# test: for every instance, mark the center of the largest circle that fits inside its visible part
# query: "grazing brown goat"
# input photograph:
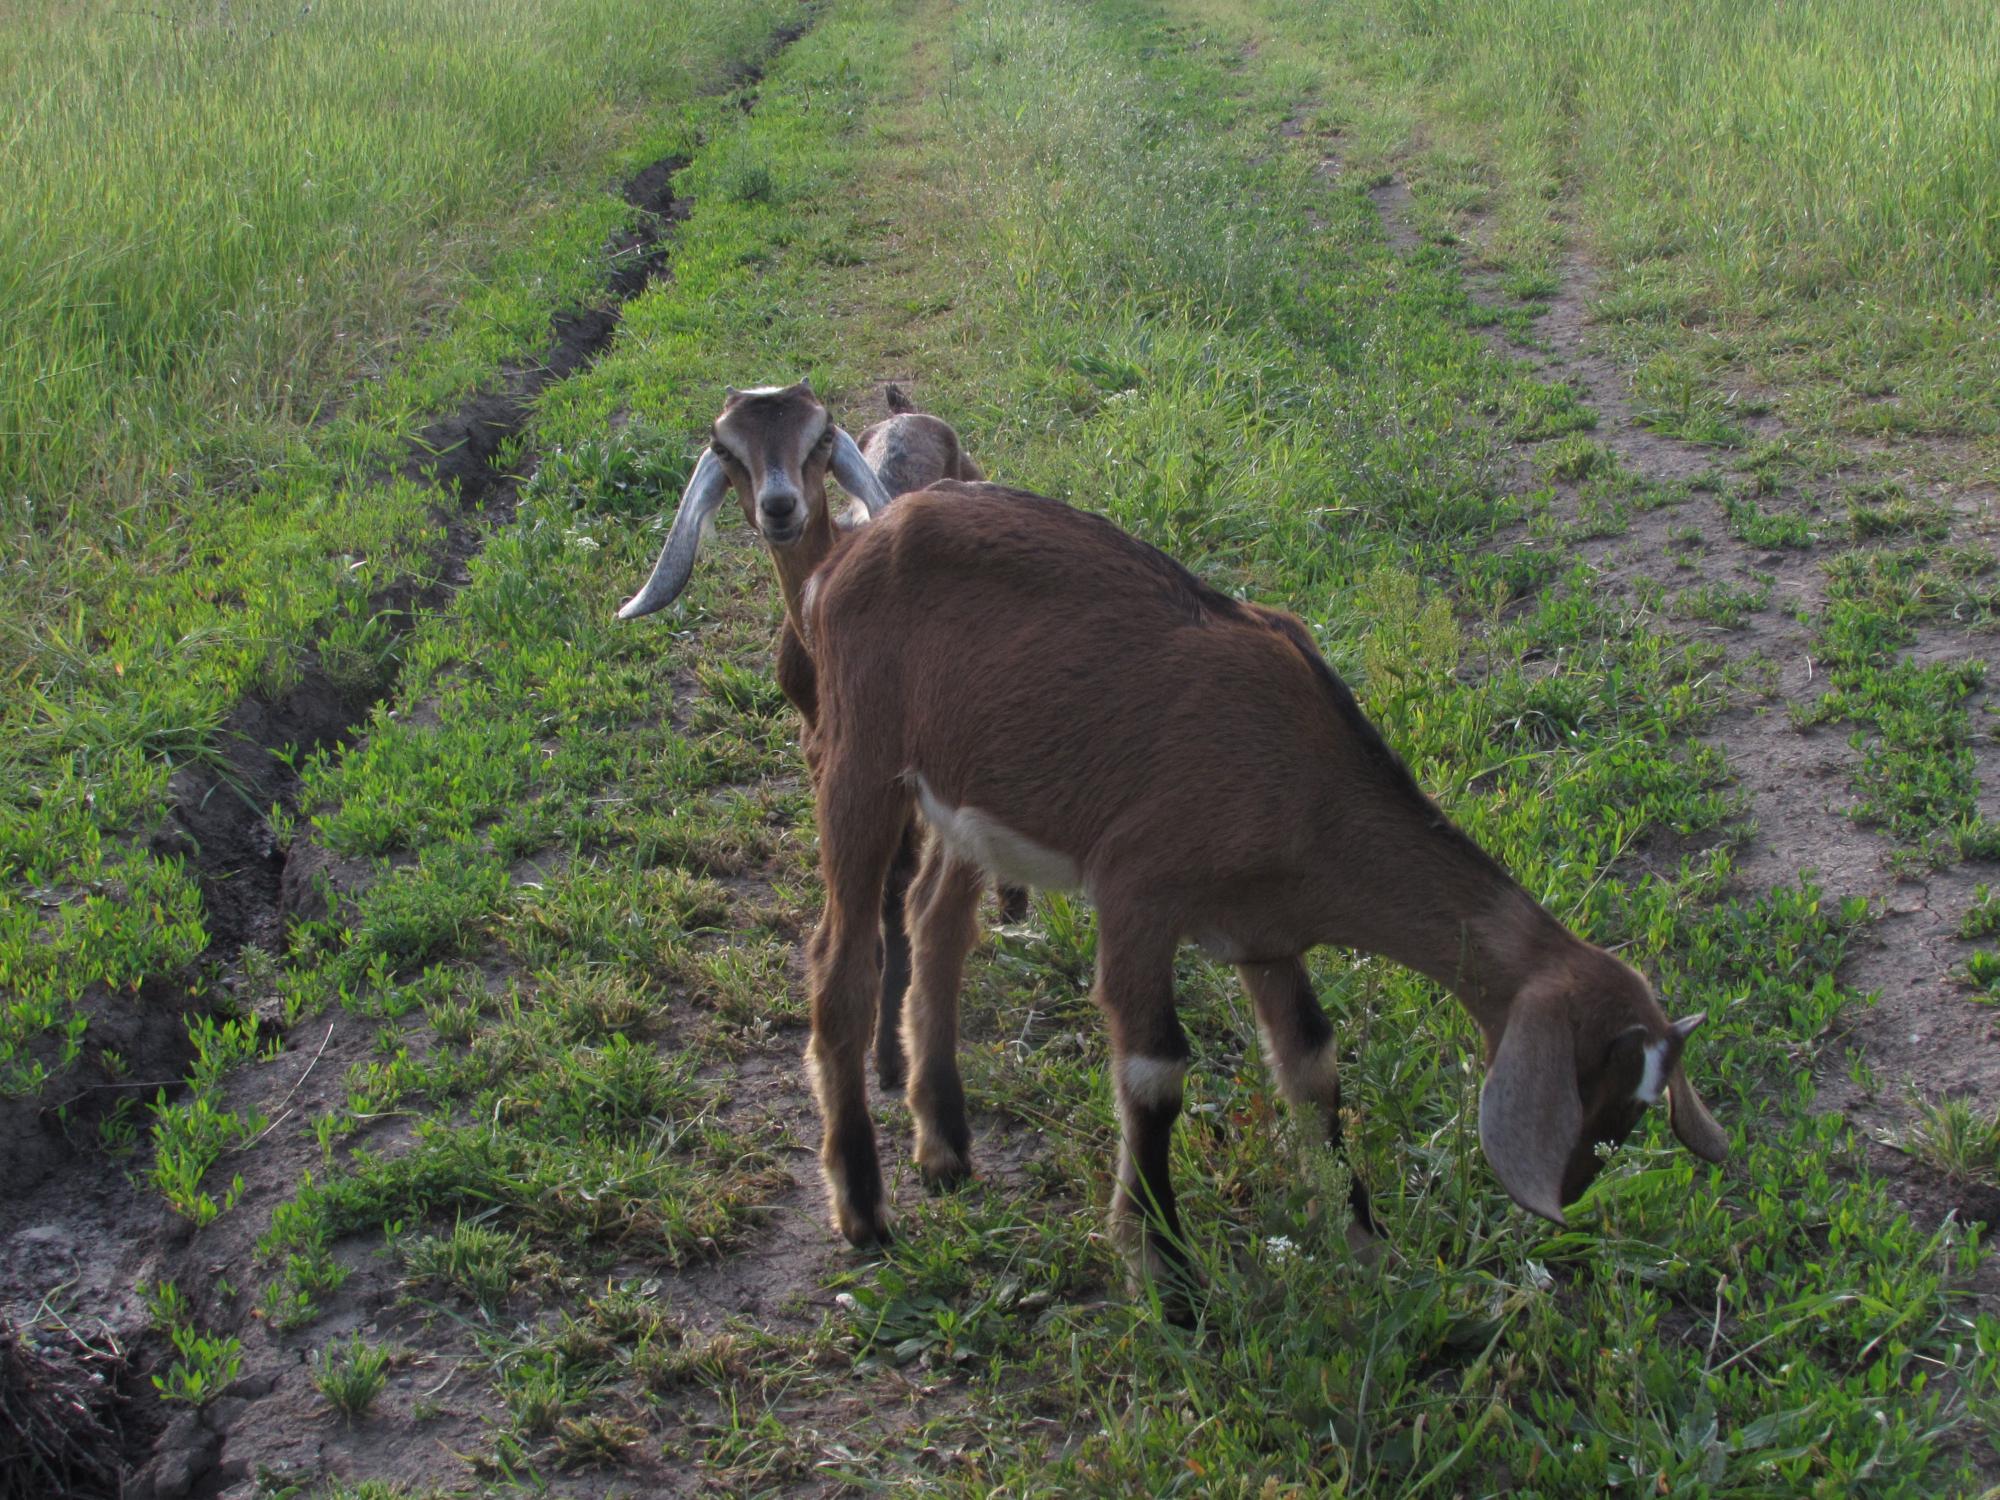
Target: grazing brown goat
(1071, 708)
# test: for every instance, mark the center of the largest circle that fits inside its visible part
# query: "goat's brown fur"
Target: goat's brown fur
(1062, 695)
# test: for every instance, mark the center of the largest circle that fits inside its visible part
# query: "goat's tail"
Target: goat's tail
(898, 402)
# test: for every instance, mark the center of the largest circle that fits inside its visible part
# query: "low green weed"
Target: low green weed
(350, 1376)
(204, 1363)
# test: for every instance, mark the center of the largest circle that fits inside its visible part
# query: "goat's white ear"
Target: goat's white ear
(806, 384)
(1530, 1115)
(855, 475)
(706, 488)
(729, 393)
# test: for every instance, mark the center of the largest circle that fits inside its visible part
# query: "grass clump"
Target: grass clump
(351, 1376)
(1982, 917)
(480, 1263)
(1959, 1140)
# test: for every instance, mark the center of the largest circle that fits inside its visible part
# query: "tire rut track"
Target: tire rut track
(1923, 1035)
(80, 1232)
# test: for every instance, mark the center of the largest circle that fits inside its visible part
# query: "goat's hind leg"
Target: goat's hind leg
(1299, 1045)
(1149, 1055)
(859, 825)
(944, 926)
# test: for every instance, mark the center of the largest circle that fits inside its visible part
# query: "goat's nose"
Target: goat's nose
(779, 508)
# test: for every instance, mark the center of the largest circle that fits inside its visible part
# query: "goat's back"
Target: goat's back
(1040, 663)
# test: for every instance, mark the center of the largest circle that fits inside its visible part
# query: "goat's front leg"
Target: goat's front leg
(858, 833)
(944, 908)
(1013, 901)
(1149, 1055)
(1299, 1045)
(889, 1059)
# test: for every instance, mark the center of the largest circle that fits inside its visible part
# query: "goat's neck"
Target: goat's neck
(1444, 908)
(798, 562)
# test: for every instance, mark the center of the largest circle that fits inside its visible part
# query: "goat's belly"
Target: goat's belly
(978, 838)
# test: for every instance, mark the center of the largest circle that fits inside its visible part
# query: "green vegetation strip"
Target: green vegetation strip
(228, 215)
(1081, 231)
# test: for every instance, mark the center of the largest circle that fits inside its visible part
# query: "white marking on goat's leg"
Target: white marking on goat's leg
(1148, 1082)
(1145, 1219)
(1149, 1065)
(944, 926)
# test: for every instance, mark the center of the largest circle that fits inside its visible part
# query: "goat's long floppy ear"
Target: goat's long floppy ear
(1530, 1115)
(706, 489)
(1692, 1122)
(854, 474)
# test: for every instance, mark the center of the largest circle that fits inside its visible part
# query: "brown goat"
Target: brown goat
(1071, 708)
(775, 447)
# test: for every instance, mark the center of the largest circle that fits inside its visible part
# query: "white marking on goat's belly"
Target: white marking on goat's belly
(980, 839)
(1655, 1077)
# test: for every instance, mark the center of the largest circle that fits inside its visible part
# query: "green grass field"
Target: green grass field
(235, 218)
(1799, 203)
(496, 1172)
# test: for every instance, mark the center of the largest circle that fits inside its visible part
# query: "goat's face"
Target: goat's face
(774, 447)
(1577, 1065)
(775, 444)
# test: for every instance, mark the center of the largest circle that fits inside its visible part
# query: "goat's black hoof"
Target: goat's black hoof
(947, 1171)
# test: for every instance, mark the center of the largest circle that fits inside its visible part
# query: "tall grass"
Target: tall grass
(217, 212)
(1836, 144)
